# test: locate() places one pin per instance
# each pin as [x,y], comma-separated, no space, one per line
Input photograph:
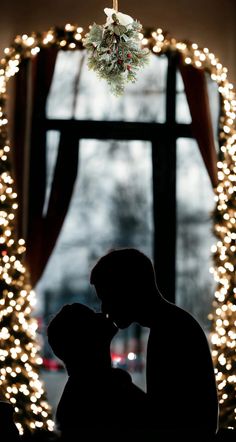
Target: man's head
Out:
[124,280]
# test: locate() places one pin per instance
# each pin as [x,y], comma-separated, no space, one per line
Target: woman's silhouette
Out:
[8,429]
[98,400]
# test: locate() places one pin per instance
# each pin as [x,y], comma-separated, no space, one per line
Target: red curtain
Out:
[197,96]
[20,152]
[40,230]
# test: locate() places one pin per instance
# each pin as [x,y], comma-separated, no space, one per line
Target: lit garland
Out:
[19,351]
[18,355]
[19,358]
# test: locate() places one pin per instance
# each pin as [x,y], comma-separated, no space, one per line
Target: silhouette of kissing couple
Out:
[100,400]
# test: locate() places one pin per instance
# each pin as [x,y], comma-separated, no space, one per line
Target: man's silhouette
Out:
[180,377]
[98,400]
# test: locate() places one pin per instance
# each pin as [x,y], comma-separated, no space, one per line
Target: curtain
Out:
[40,230]
[197,96]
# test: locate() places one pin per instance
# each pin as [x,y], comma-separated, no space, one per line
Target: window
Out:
[141,182]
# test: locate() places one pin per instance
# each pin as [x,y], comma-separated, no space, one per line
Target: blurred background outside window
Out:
[112,204]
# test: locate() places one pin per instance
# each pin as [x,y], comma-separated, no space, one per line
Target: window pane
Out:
[182,108]
[111,206]
[77,92]
[53,138]
[60,102]
[214,100]
[195,202]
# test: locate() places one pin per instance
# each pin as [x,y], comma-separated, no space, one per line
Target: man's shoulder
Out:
[175,320]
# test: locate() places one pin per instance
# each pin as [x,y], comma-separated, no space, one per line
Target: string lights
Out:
[19,351]
[19,359]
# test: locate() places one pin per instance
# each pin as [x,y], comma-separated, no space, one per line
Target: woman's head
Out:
[78,335]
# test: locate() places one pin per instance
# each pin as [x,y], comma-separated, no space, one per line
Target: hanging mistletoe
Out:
[114,49]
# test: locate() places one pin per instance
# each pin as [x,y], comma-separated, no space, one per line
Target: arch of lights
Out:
[20,354]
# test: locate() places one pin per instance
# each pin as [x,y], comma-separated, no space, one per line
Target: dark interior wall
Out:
[209,23]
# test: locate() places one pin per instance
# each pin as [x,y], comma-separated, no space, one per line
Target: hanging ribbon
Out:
[115,5]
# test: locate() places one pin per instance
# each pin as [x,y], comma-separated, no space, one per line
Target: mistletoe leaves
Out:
[115,51]
[95,35]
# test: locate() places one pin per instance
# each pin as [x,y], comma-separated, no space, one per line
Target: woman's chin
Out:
[122,323]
